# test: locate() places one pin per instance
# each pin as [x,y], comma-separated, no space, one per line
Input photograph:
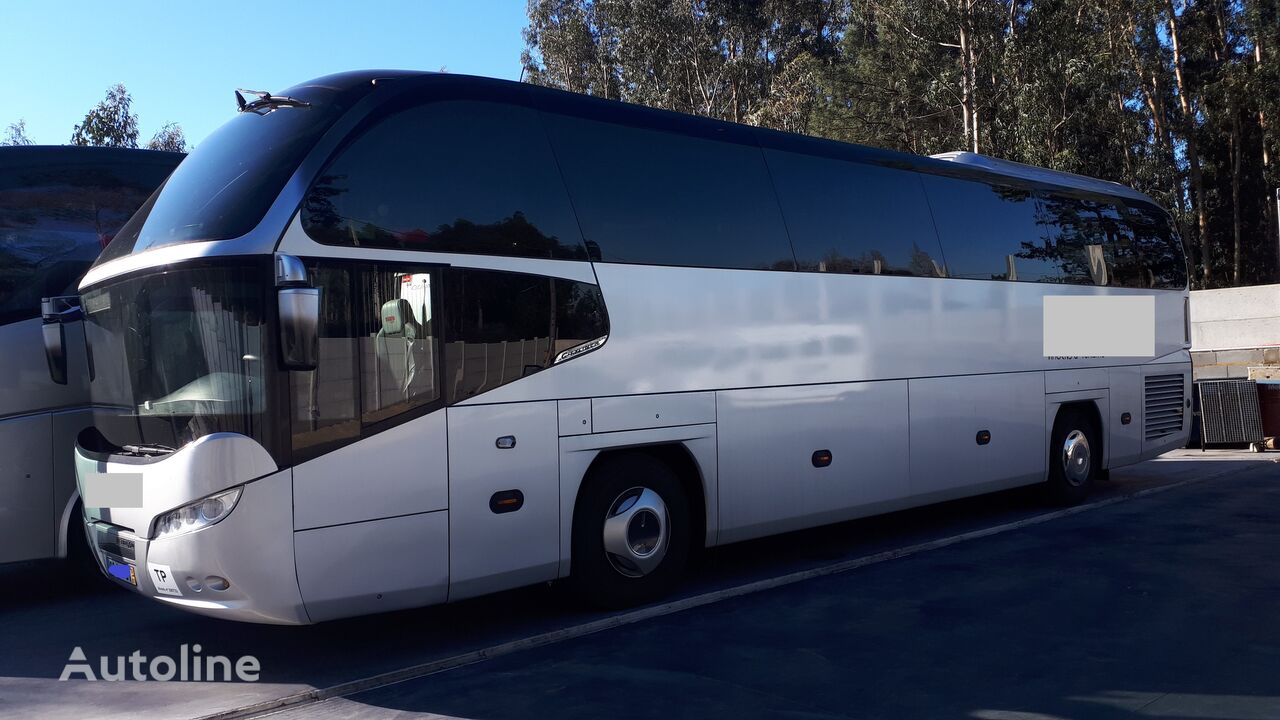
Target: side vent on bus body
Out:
[1163,407]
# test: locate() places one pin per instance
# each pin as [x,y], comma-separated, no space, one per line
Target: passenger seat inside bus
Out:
[403,354]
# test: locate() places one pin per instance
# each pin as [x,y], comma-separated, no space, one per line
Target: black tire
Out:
[1072,477]
[596,577]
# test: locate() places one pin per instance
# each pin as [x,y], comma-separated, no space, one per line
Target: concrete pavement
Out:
[1166,606]
[45,618]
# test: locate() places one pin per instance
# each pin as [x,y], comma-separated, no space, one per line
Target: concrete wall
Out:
[1234,329]
[1235,318]
[1222,364]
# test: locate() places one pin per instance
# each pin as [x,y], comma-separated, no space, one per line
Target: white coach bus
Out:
[393,339]
[59,205]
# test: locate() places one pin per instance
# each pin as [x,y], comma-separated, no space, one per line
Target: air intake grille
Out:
[1228,410]
[1164,406]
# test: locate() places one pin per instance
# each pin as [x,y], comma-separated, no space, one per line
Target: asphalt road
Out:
[1159,605]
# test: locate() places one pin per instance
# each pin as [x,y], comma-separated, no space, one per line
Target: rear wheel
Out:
[630,532]
[1075,457]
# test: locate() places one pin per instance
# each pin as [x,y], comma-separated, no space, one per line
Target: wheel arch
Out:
[696,480]
[681,461]
[71,520]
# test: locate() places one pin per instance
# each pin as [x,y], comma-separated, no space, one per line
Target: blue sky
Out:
[181,60]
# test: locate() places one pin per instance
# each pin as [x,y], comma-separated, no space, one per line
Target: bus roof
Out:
[26,155]
[1043,175]
[961,164]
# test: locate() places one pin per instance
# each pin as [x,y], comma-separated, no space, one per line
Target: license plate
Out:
[122,571]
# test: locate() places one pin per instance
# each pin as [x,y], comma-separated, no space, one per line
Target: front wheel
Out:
[630,532]
[1075,457]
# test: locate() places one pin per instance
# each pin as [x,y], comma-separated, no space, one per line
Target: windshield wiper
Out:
[266,102]
[147,450]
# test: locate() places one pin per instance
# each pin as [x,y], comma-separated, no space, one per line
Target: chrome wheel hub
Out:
[636,532]
[1077,463]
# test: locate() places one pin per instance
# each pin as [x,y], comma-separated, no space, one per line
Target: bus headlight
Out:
[201,513]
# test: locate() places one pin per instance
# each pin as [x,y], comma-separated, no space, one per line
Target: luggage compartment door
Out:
[504,496]
[976,432]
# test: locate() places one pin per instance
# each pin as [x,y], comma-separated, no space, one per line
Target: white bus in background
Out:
[58,208]
[394,339]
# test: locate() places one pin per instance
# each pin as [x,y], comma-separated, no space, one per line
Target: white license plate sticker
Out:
[163,580]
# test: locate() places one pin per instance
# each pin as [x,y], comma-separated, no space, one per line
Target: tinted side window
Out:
[505,326]
[451,176]
[1157,250]
[397,343]
[663,198]
[847,217]
[326,400]
[1110,243]
[54,221]
[1080,238]
[989,231]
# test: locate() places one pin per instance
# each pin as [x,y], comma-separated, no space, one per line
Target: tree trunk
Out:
[1193,155]
[969,75]
[1262,114]
[1223,54]
[1235,194]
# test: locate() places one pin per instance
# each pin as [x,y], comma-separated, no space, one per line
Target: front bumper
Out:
[241,568]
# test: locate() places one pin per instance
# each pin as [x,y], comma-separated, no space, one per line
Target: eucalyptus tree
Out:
[110,123]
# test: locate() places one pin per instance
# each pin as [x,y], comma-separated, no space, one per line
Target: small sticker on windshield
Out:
[96,302]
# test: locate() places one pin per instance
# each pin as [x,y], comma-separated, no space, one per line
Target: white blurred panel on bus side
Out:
[490,551]
[767,440]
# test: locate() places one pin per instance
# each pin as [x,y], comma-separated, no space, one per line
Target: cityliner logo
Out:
[189,666]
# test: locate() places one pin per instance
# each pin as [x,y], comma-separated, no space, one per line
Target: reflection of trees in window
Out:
[503,326]
[1064,242]
[1102,243]
[874,262]
[53,222]
[318,209]
[1158,249]
[580,314]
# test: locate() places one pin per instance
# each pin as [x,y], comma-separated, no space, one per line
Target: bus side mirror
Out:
[55,312]
[299,327]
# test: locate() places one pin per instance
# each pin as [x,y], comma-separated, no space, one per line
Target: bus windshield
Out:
[227,184]
[179,354]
